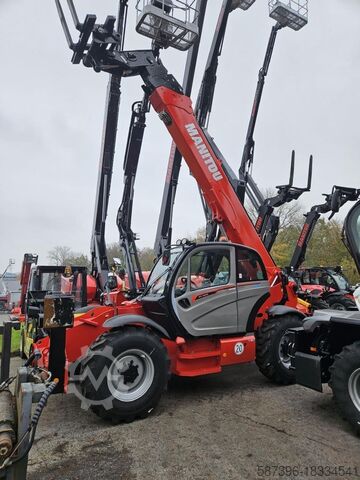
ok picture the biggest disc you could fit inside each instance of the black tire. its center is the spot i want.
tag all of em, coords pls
(345, 383)
(319, 304)
(268, 346)
(341, 303)
(149, 356)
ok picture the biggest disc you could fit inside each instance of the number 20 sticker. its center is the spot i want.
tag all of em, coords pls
(239, 348)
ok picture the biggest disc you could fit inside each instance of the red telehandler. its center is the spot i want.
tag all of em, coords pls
(203, 304)
(322, 287)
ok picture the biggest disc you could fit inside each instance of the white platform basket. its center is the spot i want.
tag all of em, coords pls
(289, 13)
(169, 23)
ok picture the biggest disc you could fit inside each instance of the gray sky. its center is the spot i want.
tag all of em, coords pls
(51, 115)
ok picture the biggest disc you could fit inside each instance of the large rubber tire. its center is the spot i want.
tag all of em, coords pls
(319, 304)
(109, 400)
(269, 338)
(341, 303)
(345, 383)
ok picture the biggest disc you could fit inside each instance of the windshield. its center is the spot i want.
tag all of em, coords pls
(58, 283)
(352, 233)
(159, 268)
(341, 281)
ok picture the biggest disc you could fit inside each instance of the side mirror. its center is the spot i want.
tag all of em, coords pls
(112, 281)
(165, 259)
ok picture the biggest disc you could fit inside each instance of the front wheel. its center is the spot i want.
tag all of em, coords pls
(124, 374)
(345, 383)
(272, 356)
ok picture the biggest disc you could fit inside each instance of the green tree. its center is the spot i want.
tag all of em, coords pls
(63, 255)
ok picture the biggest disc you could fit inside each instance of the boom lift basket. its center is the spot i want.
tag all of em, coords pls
(243, 4)
(289, 13)
(170, 23)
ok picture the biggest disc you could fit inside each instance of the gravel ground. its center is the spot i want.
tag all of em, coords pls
(224, 426)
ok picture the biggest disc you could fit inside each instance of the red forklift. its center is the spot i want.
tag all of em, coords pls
(39, 281)
(203, 304)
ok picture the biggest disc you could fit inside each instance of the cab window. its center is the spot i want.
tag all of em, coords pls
(182, 279)
(209, 268)
(249, 266)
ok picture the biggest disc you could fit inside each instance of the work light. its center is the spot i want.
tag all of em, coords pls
(289, 13)
(170, 23)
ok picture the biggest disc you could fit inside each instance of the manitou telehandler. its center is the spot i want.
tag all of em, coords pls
(326, 348)
(322, 287)
(203, 304)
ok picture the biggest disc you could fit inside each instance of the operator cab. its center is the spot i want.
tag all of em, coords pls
(214, 288)
(351, 233)
(331, 278)
(351, 236)
(57, 280)
(54, 281)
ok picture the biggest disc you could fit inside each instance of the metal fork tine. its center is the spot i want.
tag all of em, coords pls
(292, 169)
(74, 14)
(64, 24)
(310, 173)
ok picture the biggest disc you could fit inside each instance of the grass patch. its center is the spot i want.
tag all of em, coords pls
(15, 341)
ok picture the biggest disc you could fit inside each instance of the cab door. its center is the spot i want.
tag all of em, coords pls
(204, 295)
(252, 287)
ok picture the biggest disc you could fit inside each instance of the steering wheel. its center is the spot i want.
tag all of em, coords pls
(183, 280)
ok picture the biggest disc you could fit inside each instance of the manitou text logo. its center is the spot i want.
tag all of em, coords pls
(204, 152)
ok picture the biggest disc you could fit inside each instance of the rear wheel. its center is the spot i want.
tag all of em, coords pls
(345, 383)
(272, 356)
(124, 374)
(341, 303)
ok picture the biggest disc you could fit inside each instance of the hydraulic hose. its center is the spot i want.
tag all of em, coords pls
(31, 431)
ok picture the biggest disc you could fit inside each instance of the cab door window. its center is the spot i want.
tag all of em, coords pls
(249, 266)
(181, 282)
(209, 268)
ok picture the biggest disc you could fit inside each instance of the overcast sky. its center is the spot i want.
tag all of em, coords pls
(51, 115)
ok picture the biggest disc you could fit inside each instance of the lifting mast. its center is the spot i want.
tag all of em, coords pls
(333, 202)
(29, 260)
(99, 260)
(123, 220)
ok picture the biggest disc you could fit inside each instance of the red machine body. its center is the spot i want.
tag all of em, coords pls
(197, 356)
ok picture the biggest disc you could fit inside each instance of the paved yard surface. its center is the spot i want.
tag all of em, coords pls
(225, 426)
(215, 427)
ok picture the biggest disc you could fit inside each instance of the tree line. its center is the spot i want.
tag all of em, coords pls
(326, 247)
